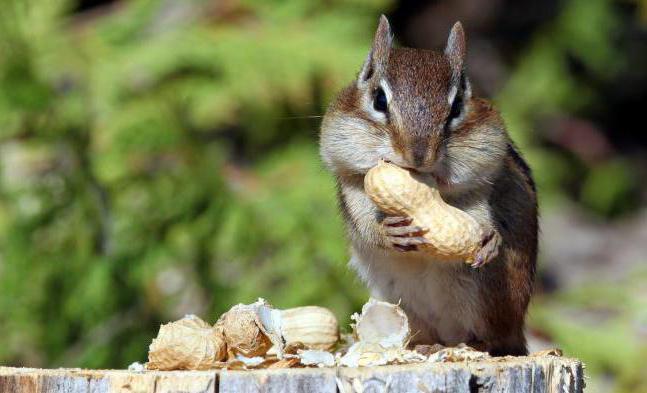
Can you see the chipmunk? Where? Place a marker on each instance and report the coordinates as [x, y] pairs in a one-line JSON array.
[[415, 108]]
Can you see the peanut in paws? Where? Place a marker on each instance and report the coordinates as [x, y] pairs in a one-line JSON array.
[[452, 235]]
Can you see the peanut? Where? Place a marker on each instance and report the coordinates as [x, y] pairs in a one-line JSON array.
[[187, 344], [452, 235], [314, 327]]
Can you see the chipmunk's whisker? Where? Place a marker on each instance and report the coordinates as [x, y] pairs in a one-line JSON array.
[[302, 117]]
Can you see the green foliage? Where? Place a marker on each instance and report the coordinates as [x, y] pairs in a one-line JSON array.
[[124, 202], [608, 187]]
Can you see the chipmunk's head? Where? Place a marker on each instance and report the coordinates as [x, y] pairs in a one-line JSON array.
[[414, 108]]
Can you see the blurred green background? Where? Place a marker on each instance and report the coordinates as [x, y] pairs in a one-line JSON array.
[[159, 158]]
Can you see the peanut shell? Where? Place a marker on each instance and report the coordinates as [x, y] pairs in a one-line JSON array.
[[452, 235], [187, 344], [314, 327], [244, 332]]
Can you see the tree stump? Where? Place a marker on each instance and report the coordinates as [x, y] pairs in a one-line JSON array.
[[508, 374]]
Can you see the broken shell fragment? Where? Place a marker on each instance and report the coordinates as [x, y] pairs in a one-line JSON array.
[[362, 354], [454, 234], [383, 332], [315, 357], [250, 362], [314, 327], [285, 363], [270, 324], [459, 353], [187, 344], [244, 330], [382, 323]]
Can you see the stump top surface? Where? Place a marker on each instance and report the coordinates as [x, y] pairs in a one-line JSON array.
[[523, 374]]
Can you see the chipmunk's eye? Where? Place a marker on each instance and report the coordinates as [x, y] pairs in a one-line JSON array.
[[379, 101]]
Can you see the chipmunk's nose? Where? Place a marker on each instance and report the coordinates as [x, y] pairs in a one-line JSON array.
[[419, 151]]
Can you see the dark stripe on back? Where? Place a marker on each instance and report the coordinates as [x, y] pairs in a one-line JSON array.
[[343, 206], [525, 169]]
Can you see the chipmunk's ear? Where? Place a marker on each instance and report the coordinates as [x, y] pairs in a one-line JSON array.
[[460, 90], [455, 51], [377, 59]]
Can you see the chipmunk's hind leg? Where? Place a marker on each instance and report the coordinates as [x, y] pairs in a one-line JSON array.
[[512, 346]]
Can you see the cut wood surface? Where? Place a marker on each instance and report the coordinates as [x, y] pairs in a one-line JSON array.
[[521, 374]]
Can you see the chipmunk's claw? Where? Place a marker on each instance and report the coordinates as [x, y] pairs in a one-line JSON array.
[[401, 248], [402, 235], [396, 221], [478, 262], [409, 231]]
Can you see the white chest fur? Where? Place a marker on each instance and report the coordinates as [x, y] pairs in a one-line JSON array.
[[441, 298]]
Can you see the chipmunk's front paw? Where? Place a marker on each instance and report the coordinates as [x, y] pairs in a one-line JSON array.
[[489, 248], [403, 236]]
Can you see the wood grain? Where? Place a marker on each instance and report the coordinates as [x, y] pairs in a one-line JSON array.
[[521, 374]]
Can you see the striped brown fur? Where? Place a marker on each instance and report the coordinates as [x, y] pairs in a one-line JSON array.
[[416, 109]]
